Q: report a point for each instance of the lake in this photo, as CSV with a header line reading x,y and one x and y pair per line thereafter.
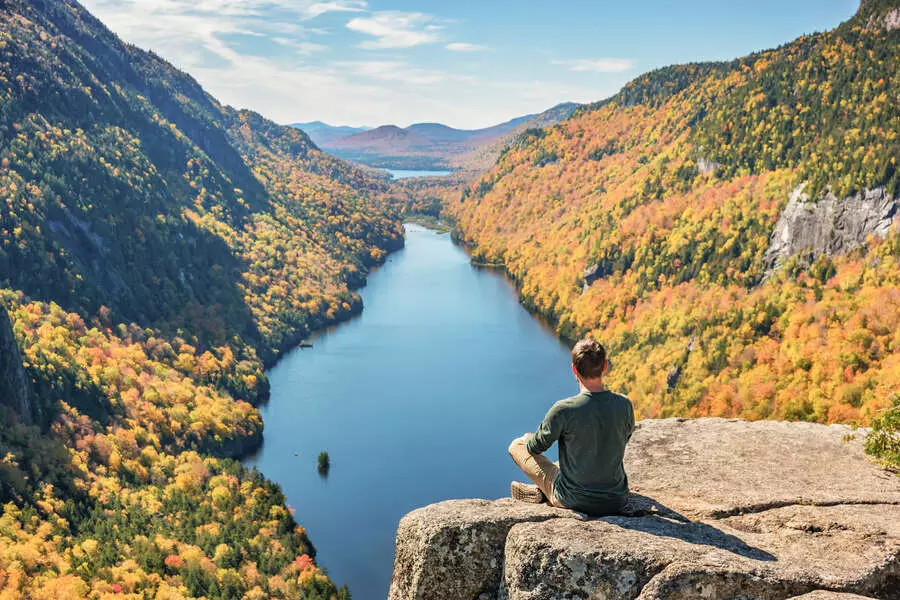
x,y
406,173
415,400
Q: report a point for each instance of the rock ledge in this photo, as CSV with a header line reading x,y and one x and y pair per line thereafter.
x,y
721,509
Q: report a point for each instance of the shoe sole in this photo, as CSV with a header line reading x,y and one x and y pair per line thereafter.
x,y
526,493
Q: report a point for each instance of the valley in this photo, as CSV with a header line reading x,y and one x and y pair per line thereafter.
x,y
183,283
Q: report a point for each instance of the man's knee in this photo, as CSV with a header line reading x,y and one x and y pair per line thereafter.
x,y
516,448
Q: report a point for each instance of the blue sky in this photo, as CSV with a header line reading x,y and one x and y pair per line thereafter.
x,y
465,63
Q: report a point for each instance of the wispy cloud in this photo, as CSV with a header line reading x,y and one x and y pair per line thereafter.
x,y
394,29
465,47
401,71
597,65
320,8
192,31
271,56
300,46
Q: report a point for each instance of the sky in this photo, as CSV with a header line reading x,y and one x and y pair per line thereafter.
x,y
465,63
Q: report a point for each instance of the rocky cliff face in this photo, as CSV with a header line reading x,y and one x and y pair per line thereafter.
x,y
880,14
830,225
721,509
13,382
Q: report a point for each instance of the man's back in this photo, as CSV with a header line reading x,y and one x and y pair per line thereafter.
x,y
592,429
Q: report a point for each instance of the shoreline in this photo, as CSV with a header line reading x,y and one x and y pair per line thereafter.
x,y
251,445
548,320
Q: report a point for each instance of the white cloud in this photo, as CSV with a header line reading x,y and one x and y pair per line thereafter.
x,y
320,8
394,29
295,80
465,47
190,32
401,71
300,46
598,65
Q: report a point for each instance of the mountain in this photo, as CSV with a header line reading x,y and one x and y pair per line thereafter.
x,y
437,146
728,229
322,133
158,249
386,139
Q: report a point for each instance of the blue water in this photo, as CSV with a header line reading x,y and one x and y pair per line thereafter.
x,y
415,401
406,173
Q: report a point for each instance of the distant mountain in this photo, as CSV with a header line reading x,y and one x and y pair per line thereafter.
x,y
322,133
429,145
385,139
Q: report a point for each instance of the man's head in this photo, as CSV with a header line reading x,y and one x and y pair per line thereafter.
x,y
589,360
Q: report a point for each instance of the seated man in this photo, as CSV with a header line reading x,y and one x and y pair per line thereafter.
x,y
592,429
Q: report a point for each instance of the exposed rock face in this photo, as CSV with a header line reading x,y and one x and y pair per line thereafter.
x,y
455,549
722,509
591,274
707,166
830,225
887,21
880,14
13,382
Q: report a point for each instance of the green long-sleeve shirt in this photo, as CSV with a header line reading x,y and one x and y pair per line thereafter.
x,y
592,429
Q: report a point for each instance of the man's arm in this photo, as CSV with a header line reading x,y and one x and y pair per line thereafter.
x,y
548,432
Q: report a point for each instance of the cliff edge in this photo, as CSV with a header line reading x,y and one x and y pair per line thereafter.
x,y
720,509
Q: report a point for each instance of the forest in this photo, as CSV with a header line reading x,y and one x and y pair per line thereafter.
x,y
645,220
158,251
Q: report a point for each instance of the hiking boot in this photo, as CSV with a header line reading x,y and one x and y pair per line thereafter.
x,y
526,492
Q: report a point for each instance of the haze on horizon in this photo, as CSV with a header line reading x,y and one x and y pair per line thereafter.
x,y
465,64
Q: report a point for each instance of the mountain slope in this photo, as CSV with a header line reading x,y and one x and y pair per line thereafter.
x,y
183,195
157,248
647,220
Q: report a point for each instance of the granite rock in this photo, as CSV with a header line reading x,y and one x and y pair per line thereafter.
x,y
720,509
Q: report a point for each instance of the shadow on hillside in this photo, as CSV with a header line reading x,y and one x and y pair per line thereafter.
x,y
645,514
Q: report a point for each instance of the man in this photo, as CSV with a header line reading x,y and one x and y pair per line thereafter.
x,y
592,429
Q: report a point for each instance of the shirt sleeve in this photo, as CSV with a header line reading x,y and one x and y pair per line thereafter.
x,y
548,432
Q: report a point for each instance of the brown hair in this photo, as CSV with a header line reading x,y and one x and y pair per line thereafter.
x,y
589,358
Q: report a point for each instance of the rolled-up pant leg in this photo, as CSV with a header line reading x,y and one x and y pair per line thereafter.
x,y
539,469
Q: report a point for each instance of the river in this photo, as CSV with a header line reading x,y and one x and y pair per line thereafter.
x,y
415,400
407,173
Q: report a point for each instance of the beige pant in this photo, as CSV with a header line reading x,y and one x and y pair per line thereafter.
x,y
539,469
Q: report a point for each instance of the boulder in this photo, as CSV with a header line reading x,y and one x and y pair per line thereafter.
x,y
721,467
777,554
454,549
721,509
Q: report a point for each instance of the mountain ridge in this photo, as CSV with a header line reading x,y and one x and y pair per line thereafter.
x,y
432,145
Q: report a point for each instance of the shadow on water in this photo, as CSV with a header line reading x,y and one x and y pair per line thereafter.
x,y
648,515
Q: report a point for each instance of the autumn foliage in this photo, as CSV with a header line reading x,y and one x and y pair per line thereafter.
x,y
157,250
670,192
